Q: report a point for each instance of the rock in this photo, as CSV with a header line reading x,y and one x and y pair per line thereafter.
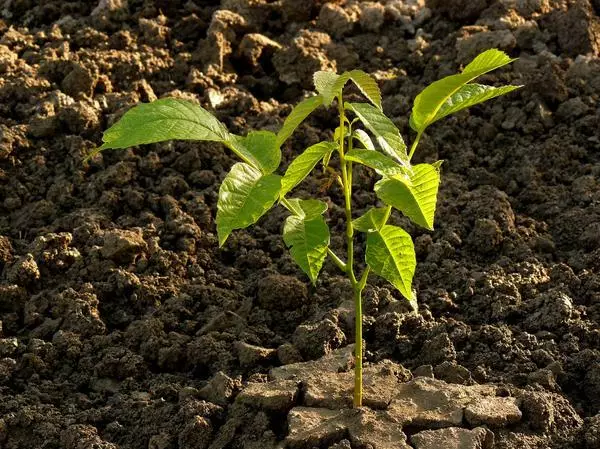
x,y
312,427
423,371
337,361
24,271
454,438
196,434
431,403
278,396
219,389
461,10
577,28
123,245
79,118
592,432
83,436
79,82
477,39
572,109
281,292
250,355
452,372
287,354
335,390
254,46
8,346
493,412
318,339
335,20
306,54
437,350
109,6
372,15
6,251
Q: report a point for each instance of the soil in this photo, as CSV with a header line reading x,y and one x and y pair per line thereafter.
x,y
122,325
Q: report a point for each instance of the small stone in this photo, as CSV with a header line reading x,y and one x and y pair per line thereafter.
x,y
219,389
8,346
79,82
277,396
281,292
423,371
372,16
123,245
572,109
493,412
253,46
250,355
454,373
287,354
335,20
454,438
337,361
24,271
318,339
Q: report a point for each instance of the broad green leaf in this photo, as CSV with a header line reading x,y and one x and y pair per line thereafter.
x,y
307,208
372,220
414,193
245,195
259,148
329,84
307,236
164,119
303,165
387,135
390,254
324,82
363,137
429,102
297,116
470,95
379,162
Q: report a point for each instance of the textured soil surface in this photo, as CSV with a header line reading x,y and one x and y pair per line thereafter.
x,y
122,325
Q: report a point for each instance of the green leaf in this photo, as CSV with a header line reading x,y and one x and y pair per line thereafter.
x,y
303,165
297,116
164,119
470,95
379,162
391,254
414,193
372,220
363,137
387,135
329,84
259,148
429,102
307,236
245,195
324,82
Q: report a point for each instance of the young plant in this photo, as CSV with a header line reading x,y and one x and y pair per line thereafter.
x,y
370,138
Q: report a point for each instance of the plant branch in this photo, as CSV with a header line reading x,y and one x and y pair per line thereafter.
x,y
340,264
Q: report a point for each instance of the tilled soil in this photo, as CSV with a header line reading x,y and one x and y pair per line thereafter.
x,y
123,325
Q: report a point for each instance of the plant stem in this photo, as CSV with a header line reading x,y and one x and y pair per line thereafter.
x,y
413,147
358,347
340,264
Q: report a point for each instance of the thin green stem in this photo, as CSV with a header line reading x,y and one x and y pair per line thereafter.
x,y
336,260
358,348
413,147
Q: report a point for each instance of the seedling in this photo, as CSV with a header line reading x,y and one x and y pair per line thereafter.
x,y
364,136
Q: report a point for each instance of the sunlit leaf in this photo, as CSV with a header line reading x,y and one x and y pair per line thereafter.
x,y
390,254
303,165
245,195
259,148
363,137
414,193
386,133
433,98
329,84
307,235
379,162
297,116
372,220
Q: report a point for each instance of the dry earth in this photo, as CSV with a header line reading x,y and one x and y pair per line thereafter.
x,y
123,325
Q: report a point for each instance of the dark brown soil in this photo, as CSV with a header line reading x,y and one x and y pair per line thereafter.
x,y
122,325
